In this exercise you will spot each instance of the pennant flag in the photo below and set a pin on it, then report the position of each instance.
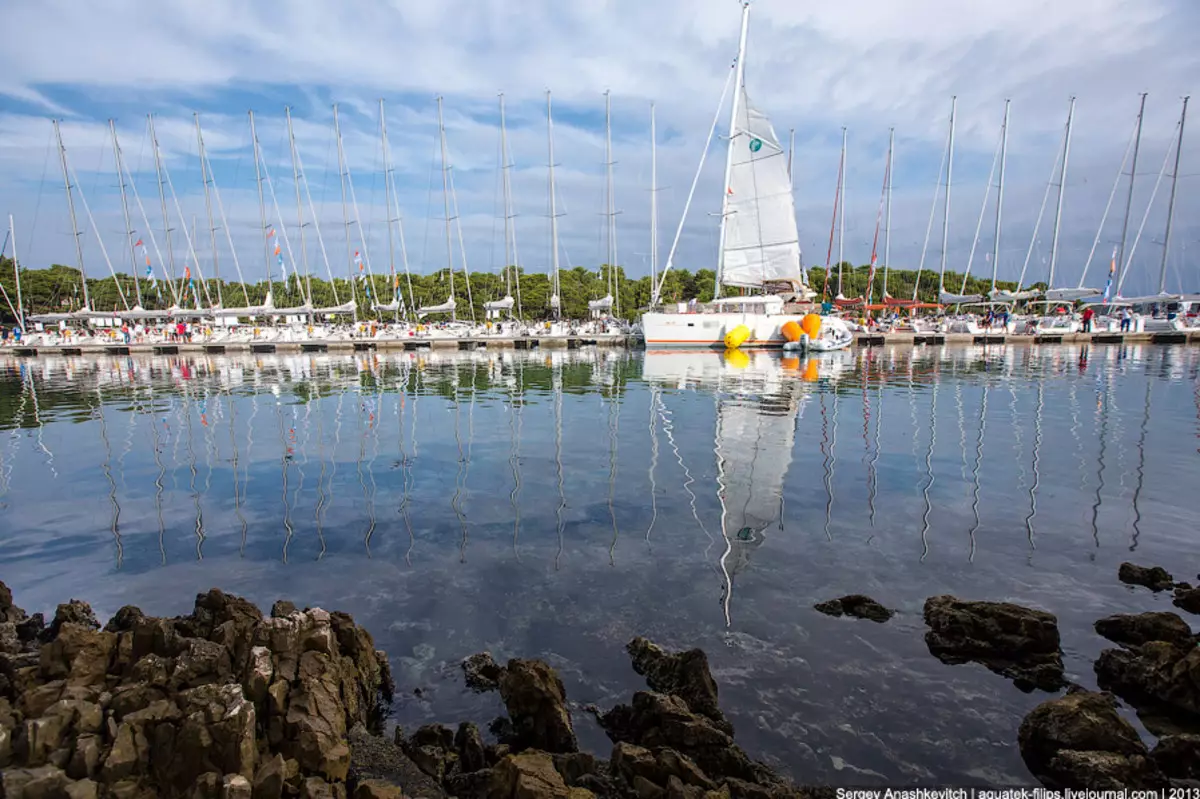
(149, 268)
(187, 272)
(1112, 270)
(729, 190)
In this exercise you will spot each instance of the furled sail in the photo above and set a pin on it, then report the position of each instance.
(1000, 295)
(1070, 295)
(762, 244)
(946, 298)
(505, 304)
(605, 303)
(446, 307)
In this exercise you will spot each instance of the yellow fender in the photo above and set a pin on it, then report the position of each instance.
(737, 359)
(736, 337)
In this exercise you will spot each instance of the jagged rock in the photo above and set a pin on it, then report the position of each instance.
(469, 745)
(85, 758)
(125, 620)
(683, 674)
(481, 672)
(31, 630)
(529, 775)
(269, 778)
(1187, 599)
(438, 736)
(8, 611)
(235, 786)
(316, 718)
(575, 766)
(129, 755)
(1178, 756)
(376, 789)
(1155, 673)
(537, 705)
(282, 609)
(44, 782)
(1156, 578)
(74, 612)
(1134, 629)
(1014, 641)
(203, 663)
(82, 789)
(1055, 732)
(856, 605)
(79, 653)
(317, 788)
(374, 758)
(1074, 768)
(470, 784)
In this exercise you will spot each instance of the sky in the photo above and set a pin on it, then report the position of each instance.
(866, 65)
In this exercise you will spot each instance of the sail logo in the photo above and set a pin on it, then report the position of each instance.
(755, 145)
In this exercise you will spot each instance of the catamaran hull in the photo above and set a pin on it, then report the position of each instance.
(707, 330)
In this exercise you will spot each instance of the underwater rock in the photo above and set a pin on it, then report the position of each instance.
(1156, 578)
(1134, 629)
(1011, 640)
(1156, 675)
(856, 605)
(1187, 599)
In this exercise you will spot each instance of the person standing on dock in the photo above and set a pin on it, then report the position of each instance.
(1126, 319)
(1088, 313)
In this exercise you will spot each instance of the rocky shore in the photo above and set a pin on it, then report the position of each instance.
(227, 702)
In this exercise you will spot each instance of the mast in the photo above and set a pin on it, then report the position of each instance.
(739, 90)
(12, 235)
(1137, 143)
(262, 209)
(887, 225)
(653, 201)
(337, 130)
(62, 156)
(212, 228)
(299, 206)
(387, 205)
(842, 214)
(389, 176)
(1062, 183)
(946, 212)
(610, 209)
(555, 300)
(162, 198)
(1162, 275)
(791, 154)
(1000, 194)
(112, 127)
(506, 188)
(446, 199)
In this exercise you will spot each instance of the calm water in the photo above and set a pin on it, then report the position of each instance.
(558, 504)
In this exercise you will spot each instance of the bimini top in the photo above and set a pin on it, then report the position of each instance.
(768, 300)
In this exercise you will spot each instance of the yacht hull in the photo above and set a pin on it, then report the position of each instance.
(707, 330)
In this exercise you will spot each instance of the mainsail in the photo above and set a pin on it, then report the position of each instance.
(761, 243)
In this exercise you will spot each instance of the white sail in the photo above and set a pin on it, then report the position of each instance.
(762, 244)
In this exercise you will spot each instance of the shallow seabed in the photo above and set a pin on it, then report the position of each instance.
(557, 505)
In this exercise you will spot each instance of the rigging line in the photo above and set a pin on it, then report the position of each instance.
(150, 230)
(303, 177)
(1149, 205)
(962, 429)
(96, 230)
(665, 419)
(1041, 212)
(1037, 476)
(987, 192)
(41, 423)
(929, 476)
(1108, 205)
(402, 394)
(112, 485)
(333, 462)
(1141, 470)
(937, 192)
(653, 461)
(727, 586)
(873, 465)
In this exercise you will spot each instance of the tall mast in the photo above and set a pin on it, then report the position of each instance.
(62, 155)
(1062, 183)
(738, 91)
(610, 210)
(337, 131)
(446, 198)
(791, 154)
(555, 300)
(12, 234)
(1162, 275)
(389, 176)
(1137, 143)
(506, 189)
(162, 198)
(842, 214)
(387, 205)
(212, 228)
(262, 209)
(1000, 194)
(299, 205)
(949, 183)
(653, 201)
(887, 225)
(137, 285)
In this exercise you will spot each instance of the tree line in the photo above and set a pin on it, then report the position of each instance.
(57, 289)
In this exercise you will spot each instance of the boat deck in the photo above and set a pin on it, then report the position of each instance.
(567, 342)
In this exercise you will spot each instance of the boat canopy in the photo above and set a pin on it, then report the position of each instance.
(505, 304)
(1152, 298)
(346, 307)
(1070, 295)
(1000, 295)
(772, 301)
(394, 305)
(946, 298)
(298, 310)
(50, 317)
(446, 307)
(605, 303)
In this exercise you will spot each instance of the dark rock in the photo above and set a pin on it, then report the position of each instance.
(502, 728)
(46, 782)
(1073, 768)
(537, 705)
(856, 605)
(1155, 674)
(73, 612)
(269, 778)
(375, 758)
(529, 775)
(282, 609)
(1156, 578)
(1187, 599)
(1014, 641)
(575, 766)
(438, 736)
(470, 784)
(31, 629)
(1055, 732)
(1178, 756)
(684, 674)
(430, 759)
(482, 673)
(377, 789)
(469, 744)
(8, 611)
(1134, 629)
(125, 620)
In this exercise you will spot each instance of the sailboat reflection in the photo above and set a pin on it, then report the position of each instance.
(757, 404)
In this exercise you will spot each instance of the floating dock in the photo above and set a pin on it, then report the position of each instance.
(569, 343)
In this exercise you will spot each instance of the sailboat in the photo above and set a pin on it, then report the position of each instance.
(759, 246)
(497, 309)
(450, 304)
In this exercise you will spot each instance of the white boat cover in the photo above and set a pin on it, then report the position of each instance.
(946, 298)
(1070, 295)
(394, 305)
(1151, 298)
(446, 307)
(605, 303)
(344, 308)
(505, 304)
(1000, 295)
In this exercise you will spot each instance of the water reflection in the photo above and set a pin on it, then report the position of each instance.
(458, 501)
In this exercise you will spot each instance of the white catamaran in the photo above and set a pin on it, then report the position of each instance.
(759, 244)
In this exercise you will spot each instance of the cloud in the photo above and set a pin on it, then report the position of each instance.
(869, 65)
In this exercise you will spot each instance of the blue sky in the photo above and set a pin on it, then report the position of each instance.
(865, 64)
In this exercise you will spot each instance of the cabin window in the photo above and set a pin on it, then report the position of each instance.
(691, 324)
